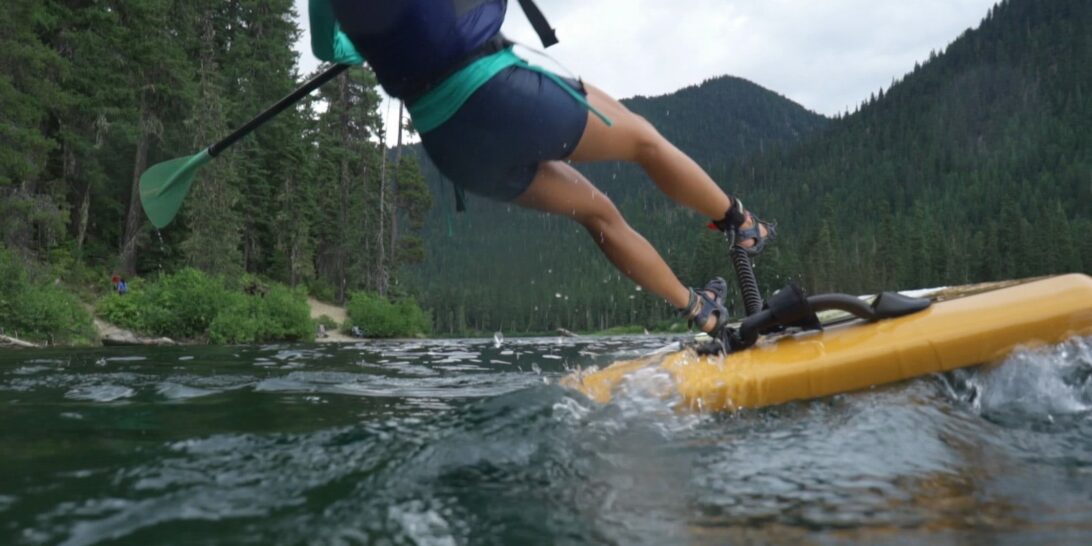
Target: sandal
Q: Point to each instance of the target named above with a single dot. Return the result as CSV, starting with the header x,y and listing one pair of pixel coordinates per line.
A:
x,y
736,217
725,339
701,306
755,233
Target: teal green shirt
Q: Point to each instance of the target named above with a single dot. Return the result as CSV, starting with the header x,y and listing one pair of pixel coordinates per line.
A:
x,y
438,105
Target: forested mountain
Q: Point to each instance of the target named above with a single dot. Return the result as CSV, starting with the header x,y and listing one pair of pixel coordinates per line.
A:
x,y
92,93
501,267
975,166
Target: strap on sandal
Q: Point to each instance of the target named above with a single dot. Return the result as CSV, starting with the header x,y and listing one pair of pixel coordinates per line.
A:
x,y
735,217
755,233
701,306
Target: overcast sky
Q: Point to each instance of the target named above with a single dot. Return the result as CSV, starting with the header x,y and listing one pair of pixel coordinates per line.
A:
x,y
827,55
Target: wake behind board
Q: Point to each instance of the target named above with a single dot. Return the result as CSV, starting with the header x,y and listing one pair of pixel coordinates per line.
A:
x,y
857,355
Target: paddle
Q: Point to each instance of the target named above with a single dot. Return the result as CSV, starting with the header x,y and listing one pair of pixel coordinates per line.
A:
x,y
164,185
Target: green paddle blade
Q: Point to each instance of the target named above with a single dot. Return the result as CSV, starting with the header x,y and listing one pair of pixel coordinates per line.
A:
x,y
165,185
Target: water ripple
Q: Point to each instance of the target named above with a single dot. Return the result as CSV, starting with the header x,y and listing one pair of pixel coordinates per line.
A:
x,y
461,442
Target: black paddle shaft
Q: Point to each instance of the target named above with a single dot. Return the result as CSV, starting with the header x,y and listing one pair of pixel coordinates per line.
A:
x,y
269,113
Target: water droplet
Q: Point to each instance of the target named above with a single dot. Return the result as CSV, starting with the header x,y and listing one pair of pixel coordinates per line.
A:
x,y
498,339
535,368
557,295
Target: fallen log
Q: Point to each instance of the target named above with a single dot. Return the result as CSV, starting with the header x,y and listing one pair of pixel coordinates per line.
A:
x,y
8,341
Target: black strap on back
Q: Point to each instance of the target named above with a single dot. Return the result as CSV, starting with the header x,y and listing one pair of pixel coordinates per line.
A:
x,y
538,22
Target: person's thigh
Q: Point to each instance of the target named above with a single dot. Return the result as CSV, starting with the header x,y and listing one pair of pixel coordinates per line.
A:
x,y
558,188
493,145
622,140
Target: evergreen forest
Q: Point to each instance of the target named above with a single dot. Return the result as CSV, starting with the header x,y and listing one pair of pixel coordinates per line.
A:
x,y
93,93
975,166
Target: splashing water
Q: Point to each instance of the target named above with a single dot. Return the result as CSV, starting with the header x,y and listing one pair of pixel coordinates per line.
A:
x,y
449,442
1031,384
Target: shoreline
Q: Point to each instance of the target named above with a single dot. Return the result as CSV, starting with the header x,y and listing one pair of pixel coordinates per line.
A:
x,y
108,334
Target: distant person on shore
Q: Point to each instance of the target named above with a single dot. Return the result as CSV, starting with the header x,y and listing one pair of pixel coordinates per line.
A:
x,y
114,281
501,128
123,288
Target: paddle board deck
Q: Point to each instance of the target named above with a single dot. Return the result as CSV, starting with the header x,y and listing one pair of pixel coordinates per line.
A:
x,y
951,334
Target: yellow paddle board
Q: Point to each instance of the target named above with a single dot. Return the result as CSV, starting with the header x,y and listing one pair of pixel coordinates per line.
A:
x,y
951,334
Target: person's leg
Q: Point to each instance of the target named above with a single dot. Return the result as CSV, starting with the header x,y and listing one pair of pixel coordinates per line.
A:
x,y
632,138
560,189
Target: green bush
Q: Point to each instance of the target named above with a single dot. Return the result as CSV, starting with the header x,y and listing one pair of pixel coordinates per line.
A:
x,y
124,311
185,304
240,322
190,304
181,305
280,314
76,274
39,310
379,317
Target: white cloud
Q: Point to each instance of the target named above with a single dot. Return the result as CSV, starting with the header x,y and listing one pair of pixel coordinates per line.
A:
x,y
828,55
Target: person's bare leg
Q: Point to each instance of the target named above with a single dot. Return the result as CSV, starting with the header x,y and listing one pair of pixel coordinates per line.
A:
x,y
632,138
560,189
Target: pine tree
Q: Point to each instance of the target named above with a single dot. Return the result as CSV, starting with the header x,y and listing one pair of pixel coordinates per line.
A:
x,y
215,228
347,179
260,70
30,76
155,78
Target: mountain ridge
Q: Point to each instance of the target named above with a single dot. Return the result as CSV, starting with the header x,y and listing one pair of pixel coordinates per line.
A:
x,y
972,167
717,122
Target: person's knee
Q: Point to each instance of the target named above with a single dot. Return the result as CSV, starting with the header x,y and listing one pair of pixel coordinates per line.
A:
x,y
649,144
603,218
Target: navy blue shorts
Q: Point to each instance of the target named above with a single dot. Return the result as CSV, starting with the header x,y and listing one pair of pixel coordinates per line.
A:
x,y
493,145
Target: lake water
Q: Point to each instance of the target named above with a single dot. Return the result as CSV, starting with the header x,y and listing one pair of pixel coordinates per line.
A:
x,y
473,442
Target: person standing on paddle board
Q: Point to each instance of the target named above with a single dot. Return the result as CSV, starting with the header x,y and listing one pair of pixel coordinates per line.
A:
x,y
501,128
